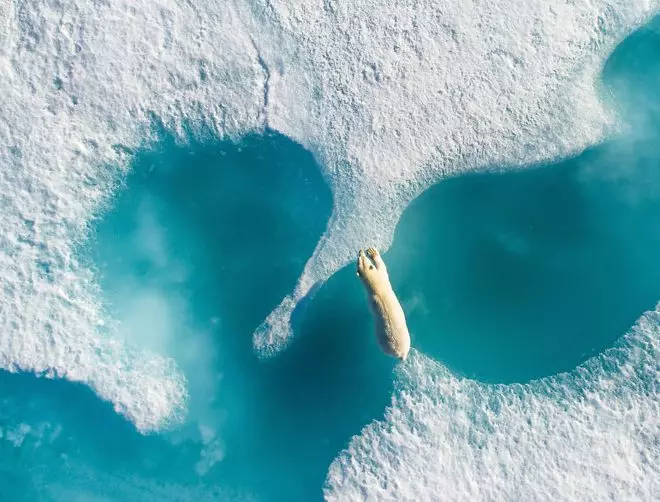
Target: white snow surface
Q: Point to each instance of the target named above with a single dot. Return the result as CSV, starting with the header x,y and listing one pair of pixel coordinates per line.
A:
x,y
591,434
390,98
394,96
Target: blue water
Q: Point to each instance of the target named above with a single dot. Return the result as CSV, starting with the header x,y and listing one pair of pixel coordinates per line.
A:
x,y
247,216
516,276
527,275
504,277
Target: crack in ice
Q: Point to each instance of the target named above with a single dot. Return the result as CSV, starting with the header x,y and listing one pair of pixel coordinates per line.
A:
x,y
266,84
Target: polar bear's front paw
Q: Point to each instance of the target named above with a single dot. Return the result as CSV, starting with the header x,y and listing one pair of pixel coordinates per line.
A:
x,y
374,256
361,263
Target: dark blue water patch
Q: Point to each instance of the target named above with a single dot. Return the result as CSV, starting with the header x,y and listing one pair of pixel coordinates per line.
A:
x,y
334,380
509,277
213,236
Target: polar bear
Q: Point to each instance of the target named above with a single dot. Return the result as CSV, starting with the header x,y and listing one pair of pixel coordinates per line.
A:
x,y
391,330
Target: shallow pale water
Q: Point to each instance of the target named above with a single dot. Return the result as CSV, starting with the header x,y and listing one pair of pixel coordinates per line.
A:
x,y
504,277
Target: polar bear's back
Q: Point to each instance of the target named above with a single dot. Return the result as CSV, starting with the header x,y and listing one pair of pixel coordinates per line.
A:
x,y
391,328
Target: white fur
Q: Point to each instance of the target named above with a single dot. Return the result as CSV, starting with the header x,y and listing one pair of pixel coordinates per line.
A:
x,y
391,329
